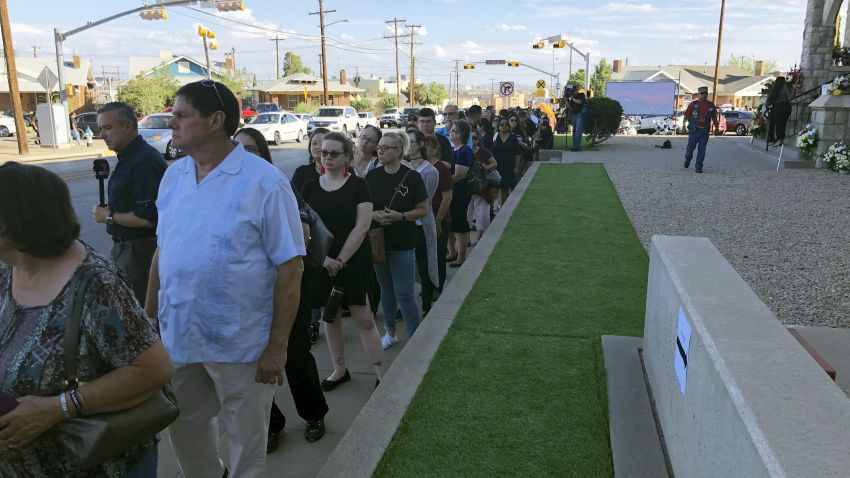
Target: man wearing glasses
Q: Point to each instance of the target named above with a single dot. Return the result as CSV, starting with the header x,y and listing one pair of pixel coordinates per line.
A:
x,y
224,284
450,115
697,116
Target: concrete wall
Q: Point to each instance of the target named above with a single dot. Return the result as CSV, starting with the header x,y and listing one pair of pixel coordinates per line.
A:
x,y
755,404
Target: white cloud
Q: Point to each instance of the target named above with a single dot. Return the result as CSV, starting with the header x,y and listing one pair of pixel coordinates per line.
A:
x,y
347,37
23,28
626,7
510,28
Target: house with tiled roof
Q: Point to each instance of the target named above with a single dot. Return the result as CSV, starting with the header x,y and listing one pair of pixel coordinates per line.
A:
x,y
77,74
304,88
735,86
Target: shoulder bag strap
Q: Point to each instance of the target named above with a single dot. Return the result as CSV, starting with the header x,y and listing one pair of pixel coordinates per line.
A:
x,y
398,188
73,320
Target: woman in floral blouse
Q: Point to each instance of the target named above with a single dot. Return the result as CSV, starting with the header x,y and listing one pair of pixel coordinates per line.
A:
x,y
121,359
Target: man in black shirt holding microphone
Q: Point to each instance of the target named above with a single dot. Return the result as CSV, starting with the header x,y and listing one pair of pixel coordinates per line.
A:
x,y
130,214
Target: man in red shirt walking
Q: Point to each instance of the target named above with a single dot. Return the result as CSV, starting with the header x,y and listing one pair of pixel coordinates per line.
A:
x,y
698,114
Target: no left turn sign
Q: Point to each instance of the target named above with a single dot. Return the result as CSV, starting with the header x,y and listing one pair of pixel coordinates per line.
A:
x,y
506,88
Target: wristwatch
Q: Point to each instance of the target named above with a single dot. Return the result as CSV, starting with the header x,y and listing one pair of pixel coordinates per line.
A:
x,y
109,219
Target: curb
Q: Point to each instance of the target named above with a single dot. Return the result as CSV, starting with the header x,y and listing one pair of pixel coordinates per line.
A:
x,y
362,447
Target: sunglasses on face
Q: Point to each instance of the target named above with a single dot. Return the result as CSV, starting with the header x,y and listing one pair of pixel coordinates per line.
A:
x,y
330,154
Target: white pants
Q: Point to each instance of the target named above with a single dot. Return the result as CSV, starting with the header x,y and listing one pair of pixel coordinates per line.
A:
x,y
479,213
213,393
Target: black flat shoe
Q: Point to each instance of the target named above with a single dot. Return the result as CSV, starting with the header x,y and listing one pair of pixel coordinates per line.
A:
x,y
456,264
273,443
315,430
377,382
451,259
328,384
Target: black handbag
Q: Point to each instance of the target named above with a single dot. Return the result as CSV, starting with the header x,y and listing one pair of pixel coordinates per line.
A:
x,y
92,440
321,239
476,177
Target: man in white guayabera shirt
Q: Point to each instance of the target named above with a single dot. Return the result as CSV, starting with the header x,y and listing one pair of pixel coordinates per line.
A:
x,y
224,284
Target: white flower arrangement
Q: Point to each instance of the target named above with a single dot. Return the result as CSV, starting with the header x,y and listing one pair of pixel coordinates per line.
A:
x,y
840,85
837,154
807,138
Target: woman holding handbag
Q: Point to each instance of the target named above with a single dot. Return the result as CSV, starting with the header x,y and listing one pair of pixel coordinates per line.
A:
x,y
120,360
343,202
399,199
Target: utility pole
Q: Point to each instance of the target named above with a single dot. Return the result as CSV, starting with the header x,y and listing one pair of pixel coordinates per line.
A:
x,y
457,82
276,41
233,57
321,13
492,92
12,74
395,22
412,89
34,49
717,61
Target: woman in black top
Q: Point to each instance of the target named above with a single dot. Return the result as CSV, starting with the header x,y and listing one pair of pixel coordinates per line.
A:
x,y
780,110
507,152
343,202
312,170
301,371
399,199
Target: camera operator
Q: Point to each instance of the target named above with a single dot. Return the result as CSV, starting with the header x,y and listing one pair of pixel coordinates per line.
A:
x,y
578,110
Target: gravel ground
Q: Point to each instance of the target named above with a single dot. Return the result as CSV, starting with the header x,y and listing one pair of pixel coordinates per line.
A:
x,y
787,233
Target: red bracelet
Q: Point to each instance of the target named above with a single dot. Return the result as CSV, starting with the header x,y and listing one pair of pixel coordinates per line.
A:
x,y
342,262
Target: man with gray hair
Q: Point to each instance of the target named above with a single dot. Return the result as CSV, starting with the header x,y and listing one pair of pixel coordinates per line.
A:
x,y
130,214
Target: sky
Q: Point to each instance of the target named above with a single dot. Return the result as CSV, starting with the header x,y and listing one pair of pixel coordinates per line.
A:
x,y
644,32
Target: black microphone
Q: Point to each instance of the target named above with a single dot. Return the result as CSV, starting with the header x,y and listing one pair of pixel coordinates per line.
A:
x,y
101,172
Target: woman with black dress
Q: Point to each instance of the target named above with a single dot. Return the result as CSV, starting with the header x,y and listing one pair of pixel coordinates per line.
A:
x,y
400,199
507,152
780,110
343,202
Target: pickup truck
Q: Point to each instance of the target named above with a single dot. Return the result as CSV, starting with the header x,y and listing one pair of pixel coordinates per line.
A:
x,y
390,117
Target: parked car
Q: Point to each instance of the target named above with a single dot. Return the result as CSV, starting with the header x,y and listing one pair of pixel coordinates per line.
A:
x,y
438,117
88,120
7,126
366,119
267,108
649,124
305,117
279,127
154,129
721,121
739,121
407,115
248,113
390,117
27,117
337,118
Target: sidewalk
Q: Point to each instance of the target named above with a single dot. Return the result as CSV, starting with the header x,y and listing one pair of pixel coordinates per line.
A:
x,y
9,151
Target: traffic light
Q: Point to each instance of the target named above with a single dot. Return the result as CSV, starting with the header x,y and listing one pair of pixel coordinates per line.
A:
x,y
538,45
513,63
69,89
469,66
213,45
229,5
154,14
559,44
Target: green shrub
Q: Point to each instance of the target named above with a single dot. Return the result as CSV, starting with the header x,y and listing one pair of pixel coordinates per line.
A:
x,y
605,116
362,105
305,108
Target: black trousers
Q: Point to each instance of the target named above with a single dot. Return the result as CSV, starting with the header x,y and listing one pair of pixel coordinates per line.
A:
x,y
422,266
133,258
778,121
301,371
442,250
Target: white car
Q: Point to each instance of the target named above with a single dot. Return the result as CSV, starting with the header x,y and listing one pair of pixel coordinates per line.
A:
x,y
651,124
278,127
342,119
7,126
154,129
367,119
391,117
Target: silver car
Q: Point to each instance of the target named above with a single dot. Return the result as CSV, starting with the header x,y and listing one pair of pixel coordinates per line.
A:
x,y
155,131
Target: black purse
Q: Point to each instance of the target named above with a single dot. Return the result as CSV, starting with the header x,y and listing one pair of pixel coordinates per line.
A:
x,y
92,440
320,240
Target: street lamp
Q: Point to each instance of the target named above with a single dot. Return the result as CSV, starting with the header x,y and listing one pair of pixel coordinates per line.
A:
x,y
207,34
338,21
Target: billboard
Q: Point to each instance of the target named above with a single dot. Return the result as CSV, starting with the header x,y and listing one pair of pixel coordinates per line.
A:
x,y
651,98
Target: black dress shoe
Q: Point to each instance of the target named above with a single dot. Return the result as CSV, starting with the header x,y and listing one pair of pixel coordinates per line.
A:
x,y
377,382
699,171
274,441
315,430
687,163
328,384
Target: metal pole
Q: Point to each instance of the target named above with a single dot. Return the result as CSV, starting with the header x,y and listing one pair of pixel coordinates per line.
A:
x,y
587,72
717,61
276,41
207,55
60,72
12,74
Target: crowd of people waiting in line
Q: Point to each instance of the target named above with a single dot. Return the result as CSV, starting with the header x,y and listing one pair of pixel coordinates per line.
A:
x,y
207,293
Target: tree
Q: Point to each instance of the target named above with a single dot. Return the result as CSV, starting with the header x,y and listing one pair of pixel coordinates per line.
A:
x,y
601,76
748,64
387,101
292,64
577,78
362,105
235,80
605,116
430,94
148,94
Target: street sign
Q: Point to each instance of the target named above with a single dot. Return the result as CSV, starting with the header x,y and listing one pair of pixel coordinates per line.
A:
x,y
506,88
541,92
541,84
495,62
47,79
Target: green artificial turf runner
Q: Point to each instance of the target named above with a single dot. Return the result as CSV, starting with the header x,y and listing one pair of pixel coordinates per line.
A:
x,y
518,386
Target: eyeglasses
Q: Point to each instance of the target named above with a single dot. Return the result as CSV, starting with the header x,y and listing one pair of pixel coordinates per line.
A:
x,y
251,148
211,84
330,154
384,148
